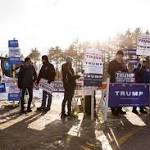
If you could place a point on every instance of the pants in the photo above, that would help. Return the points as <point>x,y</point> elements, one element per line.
<point>68,95</point>
<point>46,104</point>
<point>30,91</point>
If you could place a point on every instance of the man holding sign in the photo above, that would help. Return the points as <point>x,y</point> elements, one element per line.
<point>47,72</point>
<point>115,66</point>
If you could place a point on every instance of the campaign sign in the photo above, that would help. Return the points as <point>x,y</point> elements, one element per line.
<point>91,79</point>
<point>2,88</point>
<point>14,60</point>
<point>128,95</point>
<point>124,77</point>
<point>14,96</point>
<point>14,52</point>
<point>143,45</point>
<point>93,67</point>
<point>58,86</point>
<point>13,43</point>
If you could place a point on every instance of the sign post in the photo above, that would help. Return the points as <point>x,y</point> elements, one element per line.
<point>14,58</point>
<point>93,70</point>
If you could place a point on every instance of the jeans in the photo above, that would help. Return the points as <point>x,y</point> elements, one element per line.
<point>68,95</point>
<point>30,91</point>
<point>46,103</point>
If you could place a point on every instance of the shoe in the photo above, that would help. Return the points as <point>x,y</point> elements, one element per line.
<point>63,116</point>
<point>122,112</point>
<point>22,111</point>
<point>40,108</point>
<point>46,109</point>
<point>72,116</point>
<point>29,110</point>
<point>143,111</point>
<point>135,111</point>
<point>114,113</point>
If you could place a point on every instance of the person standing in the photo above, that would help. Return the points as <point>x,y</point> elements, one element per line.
<point>26,78</point>
<point>69,84</point>
<point>47,72</point>
<point>142,75</point>
<point>115,66</point>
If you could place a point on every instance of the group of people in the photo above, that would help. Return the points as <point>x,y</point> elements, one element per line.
<point>28,78</point>
<point>141,72</point>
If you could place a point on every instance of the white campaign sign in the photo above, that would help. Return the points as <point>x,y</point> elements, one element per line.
<point>14,52</point>
<point>93,61</point>
<point>44,85</point>
<point>143,45</point>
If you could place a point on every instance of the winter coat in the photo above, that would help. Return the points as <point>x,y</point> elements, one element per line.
<point>68,77</point>
<point>47,72</point>
<point>26,76</point>
<point>113,68</point>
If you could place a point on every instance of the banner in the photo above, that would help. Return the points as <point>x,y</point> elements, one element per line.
<point>14,52</point>
<point>143,45</point>
<point>128,95</point>
<point>14,96</point>
<point>93,67</point>
<point>2,88</point>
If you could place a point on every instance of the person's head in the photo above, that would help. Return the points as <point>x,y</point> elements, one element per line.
<point>130,67</point>
<point>145,64</point>
<point>44,59</point>
<point>27,60</point>
<point>69,60</point>
<point>119,55</point>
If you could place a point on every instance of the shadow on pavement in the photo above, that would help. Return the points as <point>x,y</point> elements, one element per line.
<point>25,133</point>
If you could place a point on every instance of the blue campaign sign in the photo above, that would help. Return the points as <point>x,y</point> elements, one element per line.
<point>13,43</point>
<point>14,96</point>
<point>2,88</point>
<point>128,95</point>
<point>91,79</point>
<point>14,60</point>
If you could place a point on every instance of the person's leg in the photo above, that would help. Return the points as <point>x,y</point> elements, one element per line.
<point>49,101</point>
<point>134,110</point>
<point>142,110</point>
<point>120,111</point>
<point>22,99</point>
<point>63,115</point>
<point>114,111</point>
<point>30,91</point>
<point>43,101</point>
<point>70,96</point>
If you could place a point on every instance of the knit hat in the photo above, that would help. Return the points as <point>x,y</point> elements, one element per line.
<point>69,59</point>
<point>120,52</point>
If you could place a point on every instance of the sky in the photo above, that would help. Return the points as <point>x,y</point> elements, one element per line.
<point>49,23</point>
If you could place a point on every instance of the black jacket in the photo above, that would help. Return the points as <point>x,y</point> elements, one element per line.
<point>47,72</point>
<point>113,68</point>
<point>68,77</point>
<point>26,76</point>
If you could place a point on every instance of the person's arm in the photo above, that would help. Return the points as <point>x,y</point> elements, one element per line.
<point>40,75</point>
<point>20,77</point>
<point>34,74</point>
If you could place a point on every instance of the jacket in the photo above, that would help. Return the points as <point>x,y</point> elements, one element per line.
<point>47,72</point>
<point>113,68</point>
<point>26,76</point>
<point>68,76</point>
